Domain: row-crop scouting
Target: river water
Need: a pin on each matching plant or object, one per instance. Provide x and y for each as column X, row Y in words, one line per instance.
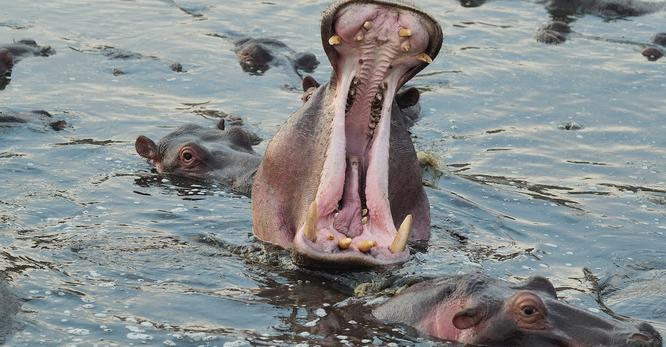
column 103, row 251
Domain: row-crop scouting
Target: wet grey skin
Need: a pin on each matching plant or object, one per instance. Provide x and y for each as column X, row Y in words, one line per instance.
column 257, row 55
column 479, row 310
column 10, row 118
column 221, row 155
column 340, row 183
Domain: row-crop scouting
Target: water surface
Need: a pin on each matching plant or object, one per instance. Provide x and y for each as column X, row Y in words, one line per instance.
column 101, row 250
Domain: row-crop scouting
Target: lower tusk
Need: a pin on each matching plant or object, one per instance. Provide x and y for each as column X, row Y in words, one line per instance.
column 311, row 222
column 400, row 242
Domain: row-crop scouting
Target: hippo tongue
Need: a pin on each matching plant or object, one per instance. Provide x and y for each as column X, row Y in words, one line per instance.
column 374, row 49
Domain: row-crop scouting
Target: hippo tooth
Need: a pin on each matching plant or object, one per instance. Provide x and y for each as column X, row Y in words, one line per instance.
column 372, row 125
column 311, row 222
column 400, row 241
column 364, row 212
column 331, row 237
column 406, row 47
column 424, row 58
column 371, row 132
column 366, row 245
column 405, row 32
column 344, row 243
column 367, row 25
column 335, row 40
column 359, row 37
column 364, row 220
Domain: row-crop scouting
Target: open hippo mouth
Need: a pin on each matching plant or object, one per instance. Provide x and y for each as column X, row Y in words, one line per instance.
column 374, row 48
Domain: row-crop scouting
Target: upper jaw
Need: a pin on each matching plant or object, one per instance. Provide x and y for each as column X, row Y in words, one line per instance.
column 434, row 30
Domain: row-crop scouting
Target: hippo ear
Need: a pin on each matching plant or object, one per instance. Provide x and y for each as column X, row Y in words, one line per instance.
column 146, row 147
column 541, row 284
column 220, row 124
column 309, row 82
column 408, row 98
column 467, row 318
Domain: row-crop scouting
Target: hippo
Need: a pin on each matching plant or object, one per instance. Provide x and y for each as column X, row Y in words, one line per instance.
column 340, row 182
column 256, row 55
column 27, row 48
column 115, row 53
column 217, row 155
column 653, row 52
column 12, row 53
column 9, row 306
column 6, row 61
column 479, row 310
column 563, row 12
column 10, row 118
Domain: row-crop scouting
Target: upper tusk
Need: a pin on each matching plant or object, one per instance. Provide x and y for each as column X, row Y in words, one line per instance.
column 335, row 40
column 424, row 58
column 405, row 32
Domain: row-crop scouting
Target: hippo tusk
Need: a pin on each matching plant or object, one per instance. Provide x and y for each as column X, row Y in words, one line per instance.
column 405, row 32
column 400, row 241
column 311, row 222
column 424, row 58
column 335, row 40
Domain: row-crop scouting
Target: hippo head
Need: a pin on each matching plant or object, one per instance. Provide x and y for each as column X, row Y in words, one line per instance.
column 254, row 58
column 220, row 154
column 340, row 182
column 6, row 62
column 480, row 310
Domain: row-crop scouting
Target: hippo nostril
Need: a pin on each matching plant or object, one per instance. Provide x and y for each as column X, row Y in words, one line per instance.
column 640, row 337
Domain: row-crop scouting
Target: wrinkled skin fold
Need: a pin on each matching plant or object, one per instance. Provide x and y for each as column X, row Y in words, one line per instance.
column 480, row 310
column 340, row 182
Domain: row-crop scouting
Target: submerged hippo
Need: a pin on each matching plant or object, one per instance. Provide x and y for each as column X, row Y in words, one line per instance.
column 9, row 306
column 9, row 118
column 564, row 12
column 480, row 310
column 6, row 61
column 221, row 154
column 12, row 53
column 258, row 55
column 340, row 183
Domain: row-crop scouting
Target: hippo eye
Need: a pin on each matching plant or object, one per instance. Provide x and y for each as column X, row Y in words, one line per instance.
column 187, row 156
column 529, row 310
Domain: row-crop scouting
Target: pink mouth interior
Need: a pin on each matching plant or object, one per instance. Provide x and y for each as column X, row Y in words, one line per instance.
column 352, row 197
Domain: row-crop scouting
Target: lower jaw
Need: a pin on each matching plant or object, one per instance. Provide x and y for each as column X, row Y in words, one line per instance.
column 370, row 238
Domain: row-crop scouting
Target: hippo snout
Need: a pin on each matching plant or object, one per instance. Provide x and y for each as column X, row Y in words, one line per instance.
column 647, row 336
